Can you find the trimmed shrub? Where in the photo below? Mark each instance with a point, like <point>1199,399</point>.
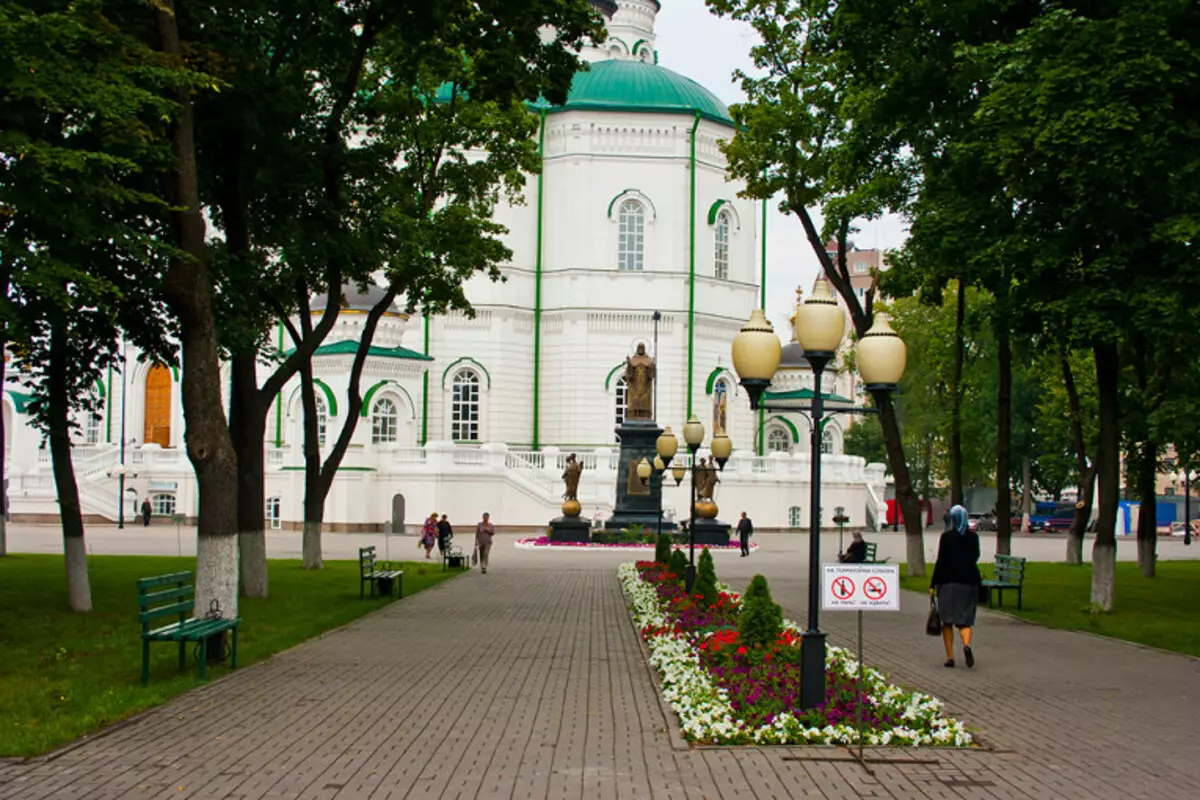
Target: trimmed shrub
<point>706,578</point>
<point>662,549</point>
<point>761,619</point>
<point>677,564</point>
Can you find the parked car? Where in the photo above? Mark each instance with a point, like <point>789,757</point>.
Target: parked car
<point>982,522</point>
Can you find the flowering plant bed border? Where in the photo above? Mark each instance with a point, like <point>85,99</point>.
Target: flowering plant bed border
<point>681,645</point>
<point>543,542</point>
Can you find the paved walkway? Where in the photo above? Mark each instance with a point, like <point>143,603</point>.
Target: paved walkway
<point>529,682</point>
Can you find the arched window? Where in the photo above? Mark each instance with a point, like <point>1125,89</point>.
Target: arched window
<point>92,429</point>
<point>721,247</point>
<point>827,442</point>
<point>631,242</point>
<point>622,403</point>
<point>464,407</point>
<point>720,398</point>
<point>383,421</point>
<point>322,420</point>
<point>162,505</point>
<point>778,441</point>
<point>157,428</point>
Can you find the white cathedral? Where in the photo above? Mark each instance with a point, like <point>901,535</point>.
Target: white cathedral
<point>632,235</point>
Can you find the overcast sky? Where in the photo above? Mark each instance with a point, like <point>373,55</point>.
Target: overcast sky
<point>707,49</point>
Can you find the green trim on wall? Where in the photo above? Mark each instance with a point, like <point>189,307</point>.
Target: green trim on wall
<point>787,423</point>
<point>425,390</point>
<point>100,385</point>
<point>622,41</point>
<point>715,209</point>
<point>108,409</point>
<point>279,400</point>
<point>609,377</point>
<point>691,355</point>
<point>329,398</point>
<point>470,360</point>
<point>643,197</point>
<point>175,373</point>
<point>365,411</point>
<point>19,400</point>
<point>537,284</point>
<point>712,379</point>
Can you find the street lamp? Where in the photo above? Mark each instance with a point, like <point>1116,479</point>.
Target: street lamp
<point>820,325</point>
<point>667,446</point>
<point>120,472</point>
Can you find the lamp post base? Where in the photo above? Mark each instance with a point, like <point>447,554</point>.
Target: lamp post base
<point>812,669</point>
<point>690,578</point>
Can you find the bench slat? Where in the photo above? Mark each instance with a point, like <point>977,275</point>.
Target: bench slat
<point>163,580</point>
<point>192,629</point>
<point>167,611</point>
<point>156,598</point>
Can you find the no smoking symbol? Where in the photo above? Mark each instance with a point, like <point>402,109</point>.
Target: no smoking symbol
<point>874,588</point>
<point>843,588</point>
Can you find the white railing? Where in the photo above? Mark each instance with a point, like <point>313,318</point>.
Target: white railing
<point>105,500</point>
<point>469,458</point>
<point>36,483</point>
<point>527,459</point>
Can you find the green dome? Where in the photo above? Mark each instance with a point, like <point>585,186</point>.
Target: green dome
<point>628,85</point>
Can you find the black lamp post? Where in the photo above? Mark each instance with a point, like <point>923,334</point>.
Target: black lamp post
<point>820,326</point>
<point>667,446</point>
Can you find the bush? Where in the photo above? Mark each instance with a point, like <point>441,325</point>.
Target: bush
<point>761,619</point>
<point>635,535</point>
<point>605,537</point>
<point>706,578</point>
<point>677,564</point>
<point>662,549</point>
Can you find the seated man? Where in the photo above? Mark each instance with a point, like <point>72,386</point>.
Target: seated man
<point>856,553</point>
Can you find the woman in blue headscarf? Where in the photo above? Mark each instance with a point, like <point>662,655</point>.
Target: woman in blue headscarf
<point>956,582</point>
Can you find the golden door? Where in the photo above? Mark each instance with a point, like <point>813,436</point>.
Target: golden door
<point>158,406</point>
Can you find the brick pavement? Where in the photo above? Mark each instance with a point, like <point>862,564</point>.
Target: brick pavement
<point>530,682</point>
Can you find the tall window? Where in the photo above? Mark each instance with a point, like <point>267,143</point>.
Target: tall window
<point>721,254</point>
<point>464,407</point>
<point>157,428</point>
<point>322,420</point>
<point>273,516</point>
<point>827,442</point>
<point>622,403</point>
<point>383,421</point>
<point>91,428</point>
<point>720,405</point>
<point>795,519</point>
<point>631,244</point>
<point>778,441</point>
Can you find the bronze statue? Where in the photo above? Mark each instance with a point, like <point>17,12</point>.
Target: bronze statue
<point>639,385</point>
<point>706,480</point>
<point>570,476</point>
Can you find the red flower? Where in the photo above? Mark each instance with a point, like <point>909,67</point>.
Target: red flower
<point>741,651</point>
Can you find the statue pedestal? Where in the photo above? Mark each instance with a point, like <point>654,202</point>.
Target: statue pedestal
<point>637,506</point>
<point>570,529</point>
<point>711,532</point>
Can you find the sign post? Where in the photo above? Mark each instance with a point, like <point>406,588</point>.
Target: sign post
<point>860,587</point>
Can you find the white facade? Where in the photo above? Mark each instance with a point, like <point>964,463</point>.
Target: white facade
<point>631,223</point>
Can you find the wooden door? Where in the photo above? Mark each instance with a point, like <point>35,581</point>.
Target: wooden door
<point>158,406</point>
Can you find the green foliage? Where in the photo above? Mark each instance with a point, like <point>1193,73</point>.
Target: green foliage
<point>706,578</point>
<point>662,548</point>
<point>634,535</point>
<point>761,619</point>
<point>677,564</point>
<point>67,675</point>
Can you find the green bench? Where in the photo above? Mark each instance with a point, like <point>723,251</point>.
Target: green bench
<point>381,575</point>
<point>175,596</point>
<point>1010,574</point>
<point>872,547</point>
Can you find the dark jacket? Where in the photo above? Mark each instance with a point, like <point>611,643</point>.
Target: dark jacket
<point>856,553</point>
<point>745,528</point>
<point>957,560</point>
<point>444,533</point>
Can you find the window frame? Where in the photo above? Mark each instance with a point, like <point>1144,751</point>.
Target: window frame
<point>787,440</point>
<point>466,381</point>
<point>828,442</point>
<point>322,420</point>
<point>721,235</point>
<point>631,244</point>
<point>158,506</point>
<point>620,405</point>
<point>391,421</point>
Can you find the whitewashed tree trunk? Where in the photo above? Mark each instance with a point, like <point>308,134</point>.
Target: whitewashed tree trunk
<point>217,574</point>
<point>312,545</point>
<point>79,590</point>
<point>1104,565</point>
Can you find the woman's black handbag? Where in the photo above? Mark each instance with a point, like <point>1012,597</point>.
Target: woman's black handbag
<point>933,625</point>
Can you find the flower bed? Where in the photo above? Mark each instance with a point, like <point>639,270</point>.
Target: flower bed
<point>544,541</point>
<point>726,693</point>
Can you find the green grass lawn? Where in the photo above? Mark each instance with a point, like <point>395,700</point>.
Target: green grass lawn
<point>64,675</point>
<point>1159,611</point>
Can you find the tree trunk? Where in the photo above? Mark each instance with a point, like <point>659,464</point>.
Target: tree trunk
<point>906,498</point>
<point>1087,477</point>
<point>79,592</point>
<point>4,273</point>
<point>188,292</point>
<point>1026,492</point>
<point>314,497</point>
<point>1147,534</point>
<point>247,427</point>
<point>1003,441</point>
<point>956,395</point>
<point>1104,551</point>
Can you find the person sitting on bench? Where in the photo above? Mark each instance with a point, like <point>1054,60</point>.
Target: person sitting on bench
<point>856,553</point>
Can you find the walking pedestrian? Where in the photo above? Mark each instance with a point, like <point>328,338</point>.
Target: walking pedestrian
<point>956,582</point>
<point>429,534</point>
<point>744,530</point>
<point>484,532</point>
<point>445,534</point>
<point>146,511</point>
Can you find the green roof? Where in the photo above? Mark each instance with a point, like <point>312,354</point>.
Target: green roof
<point>804,394</point>
<point>628,85</point>
<point>20,400</point>
<point>349,347</point>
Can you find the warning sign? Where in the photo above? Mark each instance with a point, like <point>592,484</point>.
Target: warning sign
<point>861,587</point>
